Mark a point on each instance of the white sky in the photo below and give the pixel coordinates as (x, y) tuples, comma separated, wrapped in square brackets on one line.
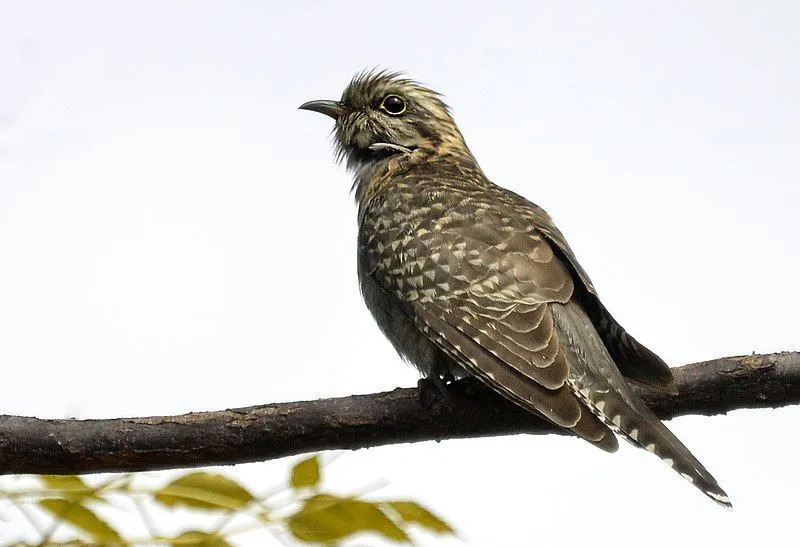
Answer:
[(174, 235)]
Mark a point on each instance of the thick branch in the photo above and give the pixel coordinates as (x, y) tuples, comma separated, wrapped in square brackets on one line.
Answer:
[(32, 445)]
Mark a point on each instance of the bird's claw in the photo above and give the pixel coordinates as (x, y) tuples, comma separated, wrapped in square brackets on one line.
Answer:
[(438, 391), (434, 391)]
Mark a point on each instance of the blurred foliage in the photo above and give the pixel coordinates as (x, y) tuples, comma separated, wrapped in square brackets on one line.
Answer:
[(298, 512)]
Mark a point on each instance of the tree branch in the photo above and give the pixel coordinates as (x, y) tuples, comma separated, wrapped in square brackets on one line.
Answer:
[(32, 445)]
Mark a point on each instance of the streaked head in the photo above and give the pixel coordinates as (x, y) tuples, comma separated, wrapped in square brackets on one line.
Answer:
[(382, 115)]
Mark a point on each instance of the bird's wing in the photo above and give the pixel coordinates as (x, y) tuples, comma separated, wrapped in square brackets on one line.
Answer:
[(634, 360), (559, 405), (480, 289), (493, 295)]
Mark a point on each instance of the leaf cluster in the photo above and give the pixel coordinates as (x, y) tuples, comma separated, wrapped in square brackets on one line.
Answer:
[(76, 512)]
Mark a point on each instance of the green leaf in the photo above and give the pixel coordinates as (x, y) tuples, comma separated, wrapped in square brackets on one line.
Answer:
[(200, 539), (306, 473), (411, 511), (203, 490), (325, 518), (82, 518), (70, 487)]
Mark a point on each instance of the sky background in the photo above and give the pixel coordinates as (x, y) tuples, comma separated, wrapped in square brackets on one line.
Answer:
[(175, 236)]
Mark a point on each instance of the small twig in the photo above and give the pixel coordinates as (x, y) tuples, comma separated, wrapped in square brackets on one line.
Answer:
[(30, 517), (149, 525)]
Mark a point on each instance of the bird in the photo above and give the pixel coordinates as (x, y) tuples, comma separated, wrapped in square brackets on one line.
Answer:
[(468, 279)]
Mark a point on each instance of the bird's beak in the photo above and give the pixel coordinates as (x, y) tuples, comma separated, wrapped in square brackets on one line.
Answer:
[(329, 108)]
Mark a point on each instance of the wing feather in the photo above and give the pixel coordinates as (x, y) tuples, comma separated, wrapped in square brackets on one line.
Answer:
[(633, 358), (558, 405), (531, 354)]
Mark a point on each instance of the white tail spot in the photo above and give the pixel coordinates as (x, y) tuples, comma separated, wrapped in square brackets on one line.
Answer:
[(650, 447), (600, 405), (634, 434), (669, 462), (688, 477), (719, 497)]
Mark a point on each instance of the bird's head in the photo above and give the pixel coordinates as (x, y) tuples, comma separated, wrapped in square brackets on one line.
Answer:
[(383, 116)]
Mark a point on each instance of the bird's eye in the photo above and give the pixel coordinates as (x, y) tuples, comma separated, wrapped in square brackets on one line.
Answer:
[(394, 105)]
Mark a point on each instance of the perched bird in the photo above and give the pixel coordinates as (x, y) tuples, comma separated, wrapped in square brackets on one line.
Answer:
[(467, 278)]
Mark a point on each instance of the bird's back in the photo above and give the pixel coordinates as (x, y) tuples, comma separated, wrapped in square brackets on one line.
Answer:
[(473, 270)]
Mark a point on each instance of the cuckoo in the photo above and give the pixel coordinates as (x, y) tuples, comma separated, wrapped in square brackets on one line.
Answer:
[(466, 278)]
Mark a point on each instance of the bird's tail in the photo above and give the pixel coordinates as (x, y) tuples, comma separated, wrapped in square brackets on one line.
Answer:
[(641, 427), (596, 380)]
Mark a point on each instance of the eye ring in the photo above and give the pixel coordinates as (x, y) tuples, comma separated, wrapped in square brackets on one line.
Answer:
[(393, 105)]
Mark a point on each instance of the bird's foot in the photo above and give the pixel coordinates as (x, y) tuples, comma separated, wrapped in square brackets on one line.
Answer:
[(469, 386), (434, 391)]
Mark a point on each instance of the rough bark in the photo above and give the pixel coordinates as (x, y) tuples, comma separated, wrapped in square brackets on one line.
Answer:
[(32, 445)]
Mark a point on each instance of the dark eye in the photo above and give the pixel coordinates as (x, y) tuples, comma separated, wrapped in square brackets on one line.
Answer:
[(394, 105)]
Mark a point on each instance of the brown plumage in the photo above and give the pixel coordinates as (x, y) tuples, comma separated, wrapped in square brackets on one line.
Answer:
[(466, 277)]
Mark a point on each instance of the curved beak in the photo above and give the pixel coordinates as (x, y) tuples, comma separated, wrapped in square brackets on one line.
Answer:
[(329, 108)]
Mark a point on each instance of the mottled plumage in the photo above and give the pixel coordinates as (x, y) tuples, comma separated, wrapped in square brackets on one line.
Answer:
[(466, 277)]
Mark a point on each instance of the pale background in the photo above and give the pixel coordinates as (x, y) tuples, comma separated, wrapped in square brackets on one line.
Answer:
[(174, 235)]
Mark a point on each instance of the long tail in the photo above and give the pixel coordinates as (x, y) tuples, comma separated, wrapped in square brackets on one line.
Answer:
[(598, 383)]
